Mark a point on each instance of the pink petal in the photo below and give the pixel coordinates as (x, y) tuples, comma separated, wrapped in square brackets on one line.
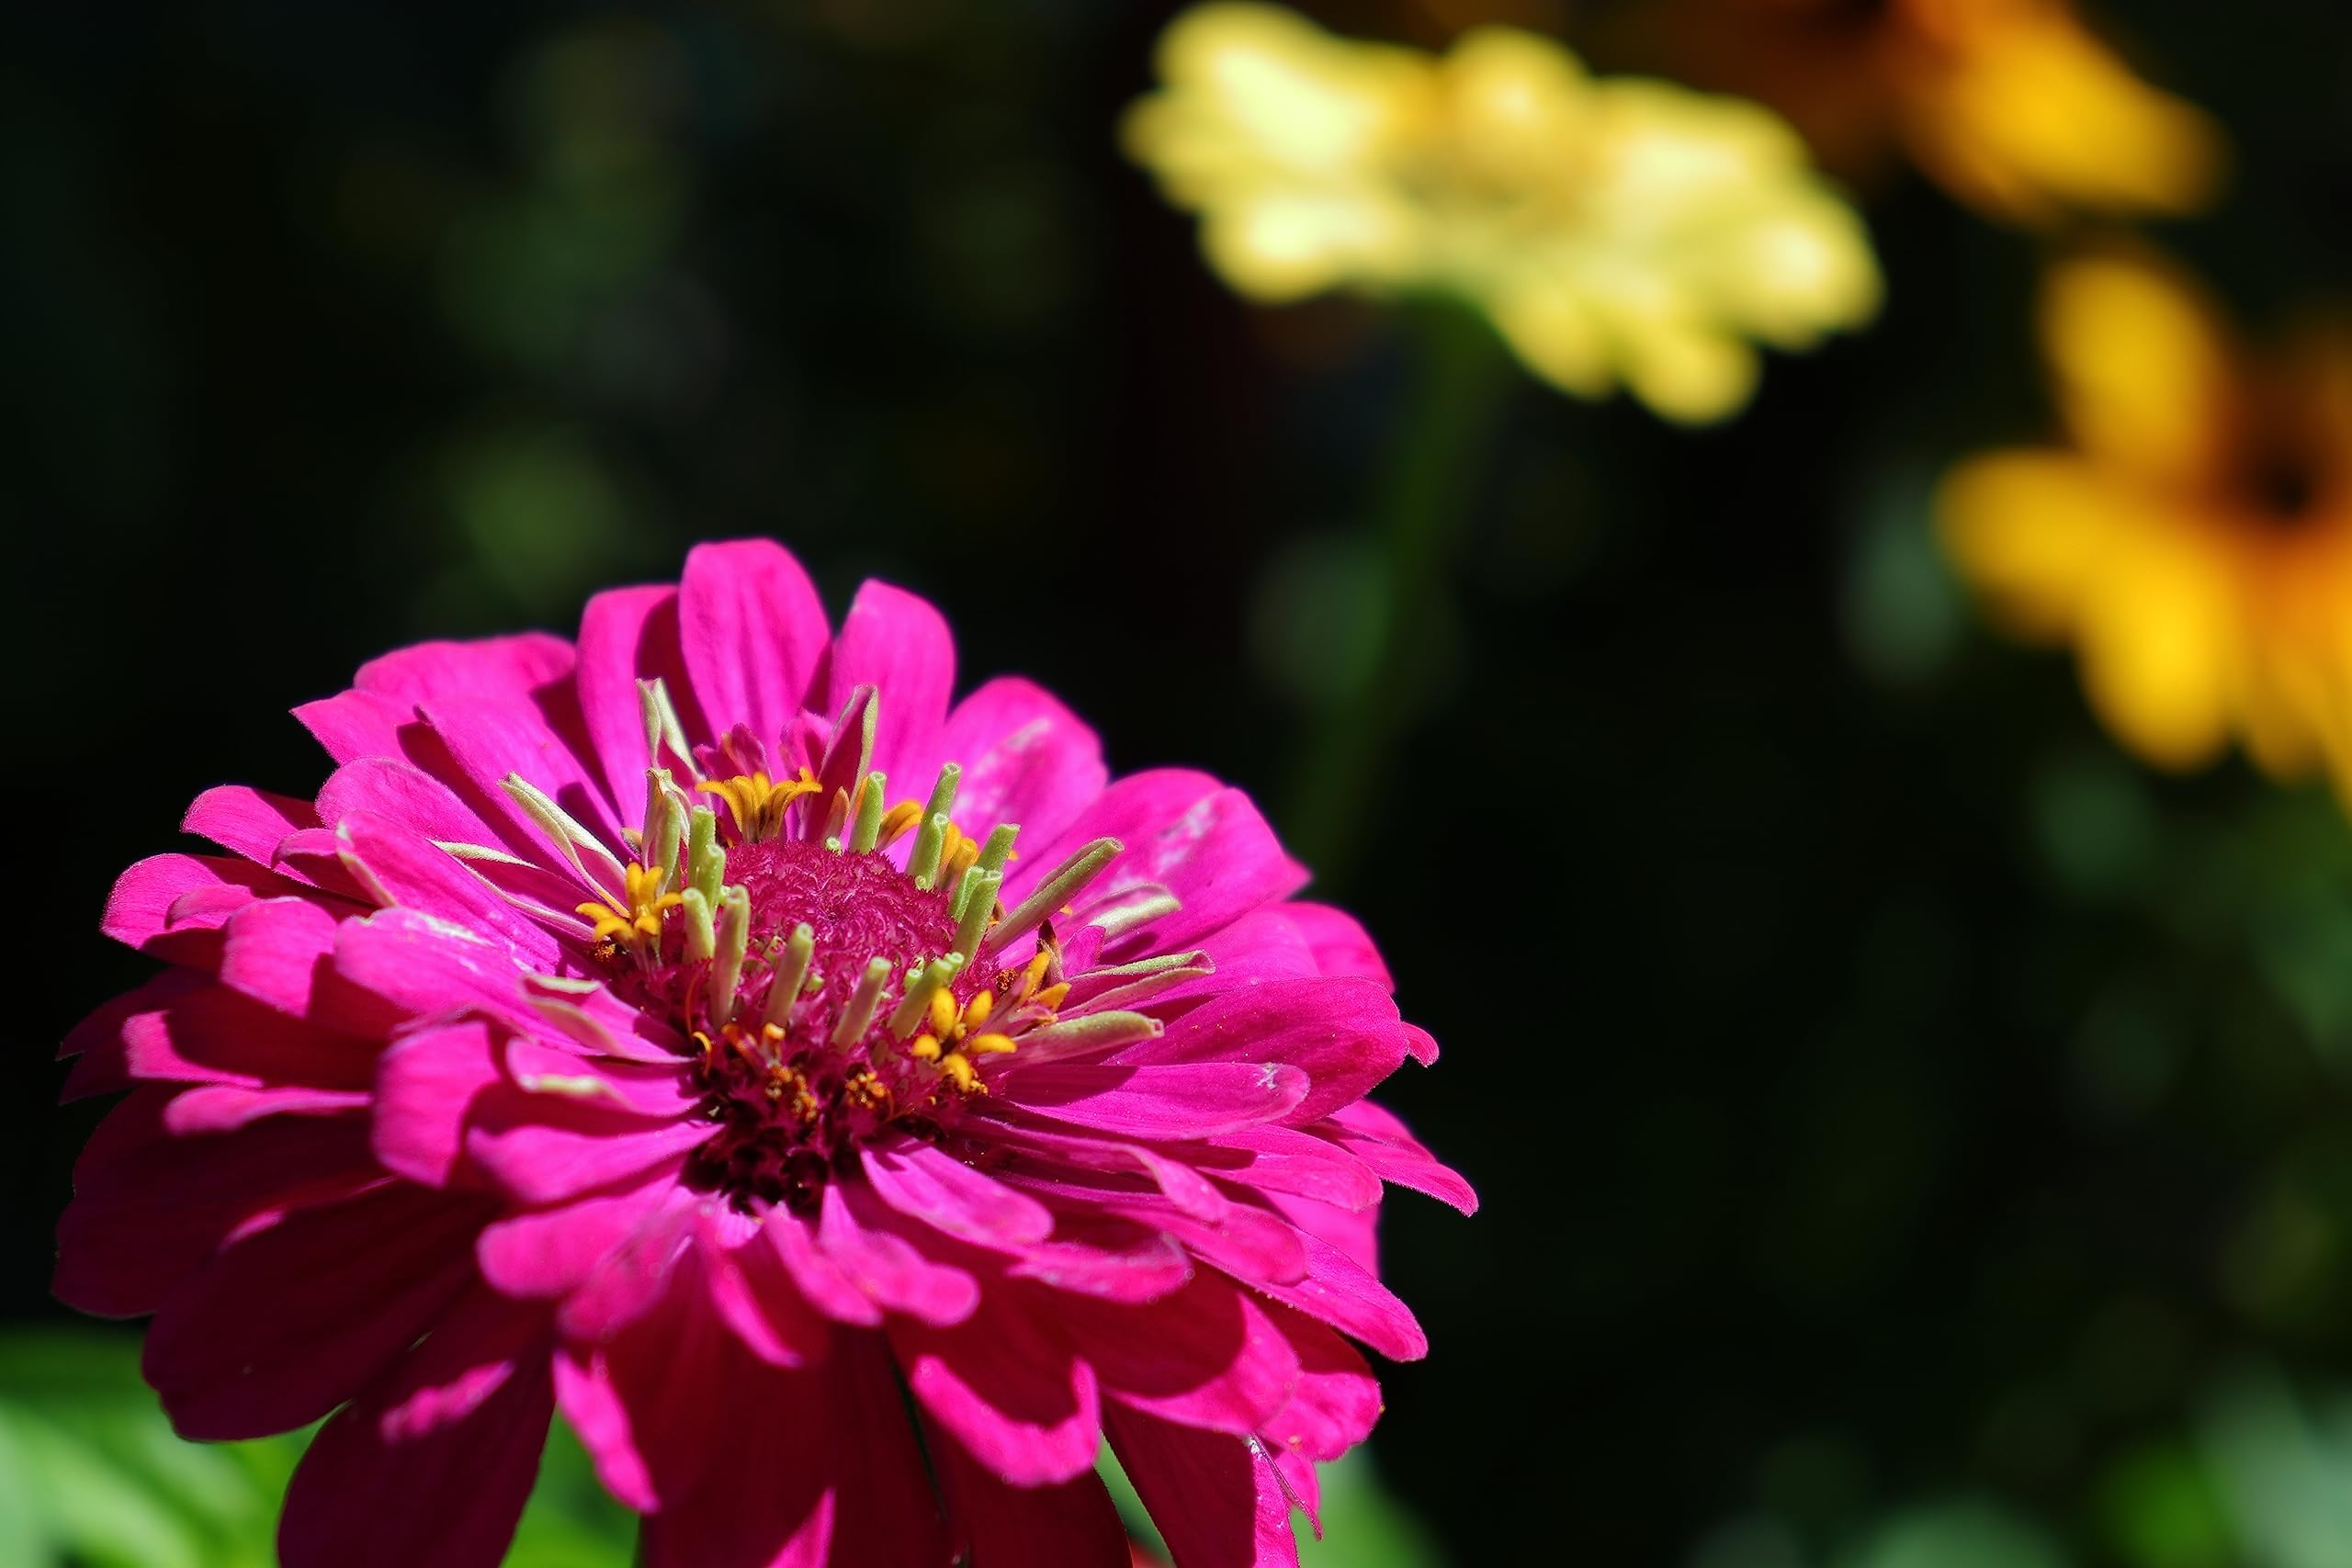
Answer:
[(751, 628), (1335, 1399), (1111, 1260), (139, 910), (1339, 1291), (425, 1084), (403, 793), (250, 821), (640, 1273), (855, 1233), (900, 646), (1287, 1160), (434, 1462), (1207, 1356), (286, 1324), (280, 953), (826, 1285), (626, 636), (1217, 1499), (224, 1108), (1073, 1523), (919, 1180), (1026, 759), (1342, 949), (640, 1089), (512, 666), (490, 739), (211, 1034), (1344, 1035), (1192, 1101), (543, 1154), (754, 1296), (1375, 1136), (1186, 833), (150, 1208), (548, 1253), (358, 723), (426, 964), (1011, 1391)]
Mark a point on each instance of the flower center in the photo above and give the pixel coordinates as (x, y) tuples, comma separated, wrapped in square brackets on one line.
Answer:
[(830, 993)]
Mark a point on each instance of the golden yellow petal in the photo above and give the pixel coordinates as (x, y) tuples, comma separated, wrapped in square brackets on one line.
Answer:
[(2031, 532), (2161, 646), (2141, 365), (2034, 116)]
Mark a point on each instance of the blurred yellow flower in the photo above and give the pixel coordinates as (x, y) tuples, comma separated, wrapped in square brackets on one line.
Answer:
[(1610, 230), (2195, 543), (2014, 106)]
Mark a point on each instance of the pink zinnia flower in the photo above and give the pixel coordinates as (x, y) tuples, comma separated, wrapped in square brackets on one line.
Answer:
[(665, 1027)]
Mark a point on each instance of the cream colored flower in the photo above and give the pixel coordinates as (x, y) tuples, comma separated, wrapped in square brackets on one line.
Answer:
[(1611, 230)]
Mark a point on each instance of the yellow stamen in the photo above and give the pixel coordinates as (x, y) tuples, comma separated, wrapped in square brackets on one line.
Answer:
[(924, 1049), (758, 801), (647, 904), (976, 1011), (1051, 996), (897, 821), (990, 1045), (942, 1012), (958, 1071)]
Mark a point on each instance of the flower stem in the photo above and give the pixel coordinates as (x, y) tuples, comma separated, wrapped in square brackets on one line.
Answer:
[(1425, 495)]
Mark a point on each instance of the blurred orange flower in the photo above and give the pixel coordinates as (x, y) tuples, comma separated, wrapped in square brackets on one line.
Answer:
[(2195, 541), (2016, 106)]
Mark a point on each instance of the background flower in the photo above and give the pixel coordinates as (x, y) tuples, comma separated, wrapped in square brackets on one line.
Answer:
[(1612, 230), (2016, 107), (2195, 545)]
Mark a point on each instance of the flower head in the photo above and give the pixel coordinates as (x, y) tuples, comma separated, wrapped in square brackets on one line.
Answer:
[(2014, 106), (2195, 541), (846, 1106), (1609, 230)]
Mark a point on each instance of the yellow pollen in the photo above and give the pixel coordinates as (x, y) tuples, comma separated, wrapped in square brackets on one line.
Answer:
[(924, 1049), (990, 1045), (758, 801), (1032, 976), (977, 1011), (942, 1012), (958, 1071), (1051, 996)]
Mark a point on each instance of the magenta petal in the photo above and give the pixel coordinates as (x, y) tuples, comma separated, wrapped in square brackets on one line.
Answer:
[(490, 739), (855, 1233), (425, 1082), (211, 1034), (500, 666), (224, 1108), (1185, 833), (757, 1300), (1026, 759), (151, 1207), (459, 1422), (289, 1322), (1375, 1136), (140, 911), (640, 1089), (427, 965), (751, 629), (1336, 1400), (1191, 1100), (825, 1285), (1014, 1395), (250, 821), (626, 636), (542, 1154), (1207, 1356), (1342, 949), (356, 724), (547, 1253), (1073, 1523), (633, 1276), (1287, 1160), (280, 952), (1215, 1498), (403, 793), (1343, 1035), (1341, 1293), (917, 1180), (898, 645)]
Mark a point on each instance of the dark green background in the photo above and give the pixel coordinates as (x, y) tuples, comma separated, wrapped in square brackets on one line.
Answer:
[(1883, 1092)]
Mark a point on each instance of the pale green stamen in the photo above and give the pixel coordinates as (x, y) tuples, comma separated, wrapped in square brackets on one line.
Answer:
[(706, 862), (789, 974), (701, 938), (859, 1013), (1057, 890), (980, 903), (733, 939), (869, 815)]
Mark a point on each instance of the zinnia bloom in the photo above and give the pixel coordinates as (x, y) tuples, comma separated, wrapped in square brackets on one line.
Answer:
[(1610, 230), (2195, 545), (665, 1027), (2014, 106)]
